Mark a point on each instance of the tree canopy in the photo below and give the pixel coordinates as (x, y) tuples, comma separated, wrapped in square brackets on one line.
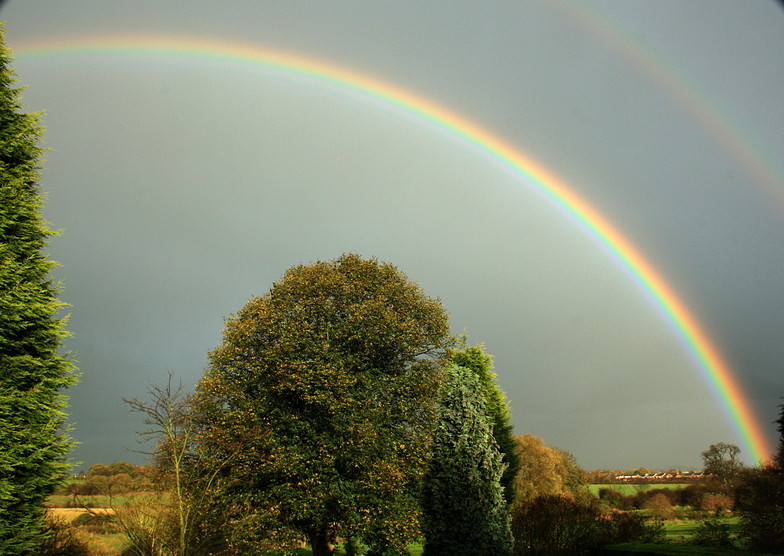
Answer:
[(499, 415), (33, 440), (723, 461), (545, 471), (328, 384)]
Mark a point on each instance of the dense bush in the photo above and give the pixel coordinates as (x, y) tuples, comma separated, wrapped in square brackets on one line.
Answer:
[(713, 502), (714, 533), (692, 495), (632, 527), (61, 540), (695, 495), (761, 504), (556, 524), (659, 505)]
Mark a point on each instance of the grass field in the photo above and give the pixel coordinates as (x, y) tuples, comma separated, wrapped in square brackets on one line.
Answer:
[(97, 501), (628, 489), (105, 538)]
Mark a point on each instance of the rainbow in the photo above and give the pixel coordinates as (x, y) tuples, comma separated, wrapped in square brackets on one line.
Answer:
[(695, 104), (709, 360)]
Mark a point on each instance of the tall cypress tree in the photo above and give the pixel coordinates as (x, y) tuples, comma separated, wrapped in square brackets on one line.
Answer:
[(33, 439)]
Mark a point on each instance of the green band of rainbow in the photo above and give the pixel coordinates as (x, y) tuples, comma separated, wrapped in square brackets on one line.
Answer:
[(709, 360)]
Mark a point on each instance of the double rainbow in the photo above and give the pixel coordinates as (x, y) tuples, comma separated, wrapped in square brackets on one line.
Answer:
[(709, 360)]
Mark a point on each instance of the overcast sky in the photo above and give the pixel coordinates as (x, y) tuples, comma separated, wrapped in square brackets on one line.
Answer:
[(184, 187)]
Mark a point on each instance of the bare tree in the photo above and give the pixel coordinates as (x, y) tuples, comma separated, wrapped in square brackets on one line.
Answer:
[(171, 427)]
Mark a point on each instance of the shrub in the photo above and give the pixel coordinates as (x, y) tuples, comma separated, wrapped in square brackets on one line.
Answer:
[(714, 533), (691, 495), (616, 500), (147, 528), (761, 501), (633, 527), (61, 540), (555, 524), (713, 502), (659, 505)]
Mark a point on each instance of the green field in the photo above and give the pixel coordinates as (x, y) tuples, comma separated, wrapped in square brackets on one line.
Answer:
[(628, 489)]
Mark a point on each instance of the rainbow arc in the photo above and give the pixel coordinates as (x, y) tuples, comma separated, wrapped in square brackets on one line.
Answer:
[(709, 360)]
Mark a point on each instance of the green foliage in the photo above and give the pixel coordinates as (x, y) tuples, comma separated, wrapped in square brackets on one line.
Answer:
[(659, 505), (464, 509), (476, 359), (554, 524), (563, 525), (546, 471), (778, 458), (33, 440), (713, 532), (761, 500), (324, 392), (761, 504)]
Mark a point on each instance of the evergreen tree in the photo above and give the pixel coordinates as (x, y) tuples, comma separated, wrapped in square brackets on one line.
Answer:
[(476, 359), (33, 440), (462, 499)]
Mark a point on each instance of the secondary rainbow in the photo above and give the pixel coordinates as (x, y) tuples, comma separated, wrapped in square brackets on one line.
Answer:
[(695, 104), (707, 356)]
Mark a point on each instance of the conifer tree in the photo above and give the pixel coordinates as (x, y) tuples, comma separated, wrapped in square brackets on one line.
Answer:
[(33, 439), (464, 512)]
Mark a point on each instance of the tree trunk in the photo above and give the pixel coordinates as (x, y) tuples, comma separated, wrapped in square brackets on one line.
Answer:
[(319, 543)]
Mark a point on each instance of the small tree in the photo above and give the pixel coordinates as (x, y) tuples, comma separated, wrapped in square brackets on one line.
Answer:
[(33, 439), (476, 359), (189, 475), (463, 505)]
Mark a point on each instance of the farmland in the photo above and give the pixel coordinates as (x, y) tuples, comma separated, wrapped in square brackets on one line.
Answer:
[(91, 519)]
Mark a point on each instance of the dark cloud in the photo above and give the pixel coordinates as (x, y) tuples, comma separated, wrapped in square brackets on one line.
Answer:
[(186, 187)]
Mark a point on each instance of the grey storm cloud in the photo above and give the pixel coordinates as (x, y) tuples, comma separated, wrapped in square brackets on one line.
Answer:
[(185, 186)]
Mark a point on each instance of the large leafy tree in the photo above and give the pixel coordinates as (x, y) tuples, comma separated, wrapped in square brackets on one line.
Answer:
[(328, 383), (476, 359), (33, 441), (462, 498), (545, 471)]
